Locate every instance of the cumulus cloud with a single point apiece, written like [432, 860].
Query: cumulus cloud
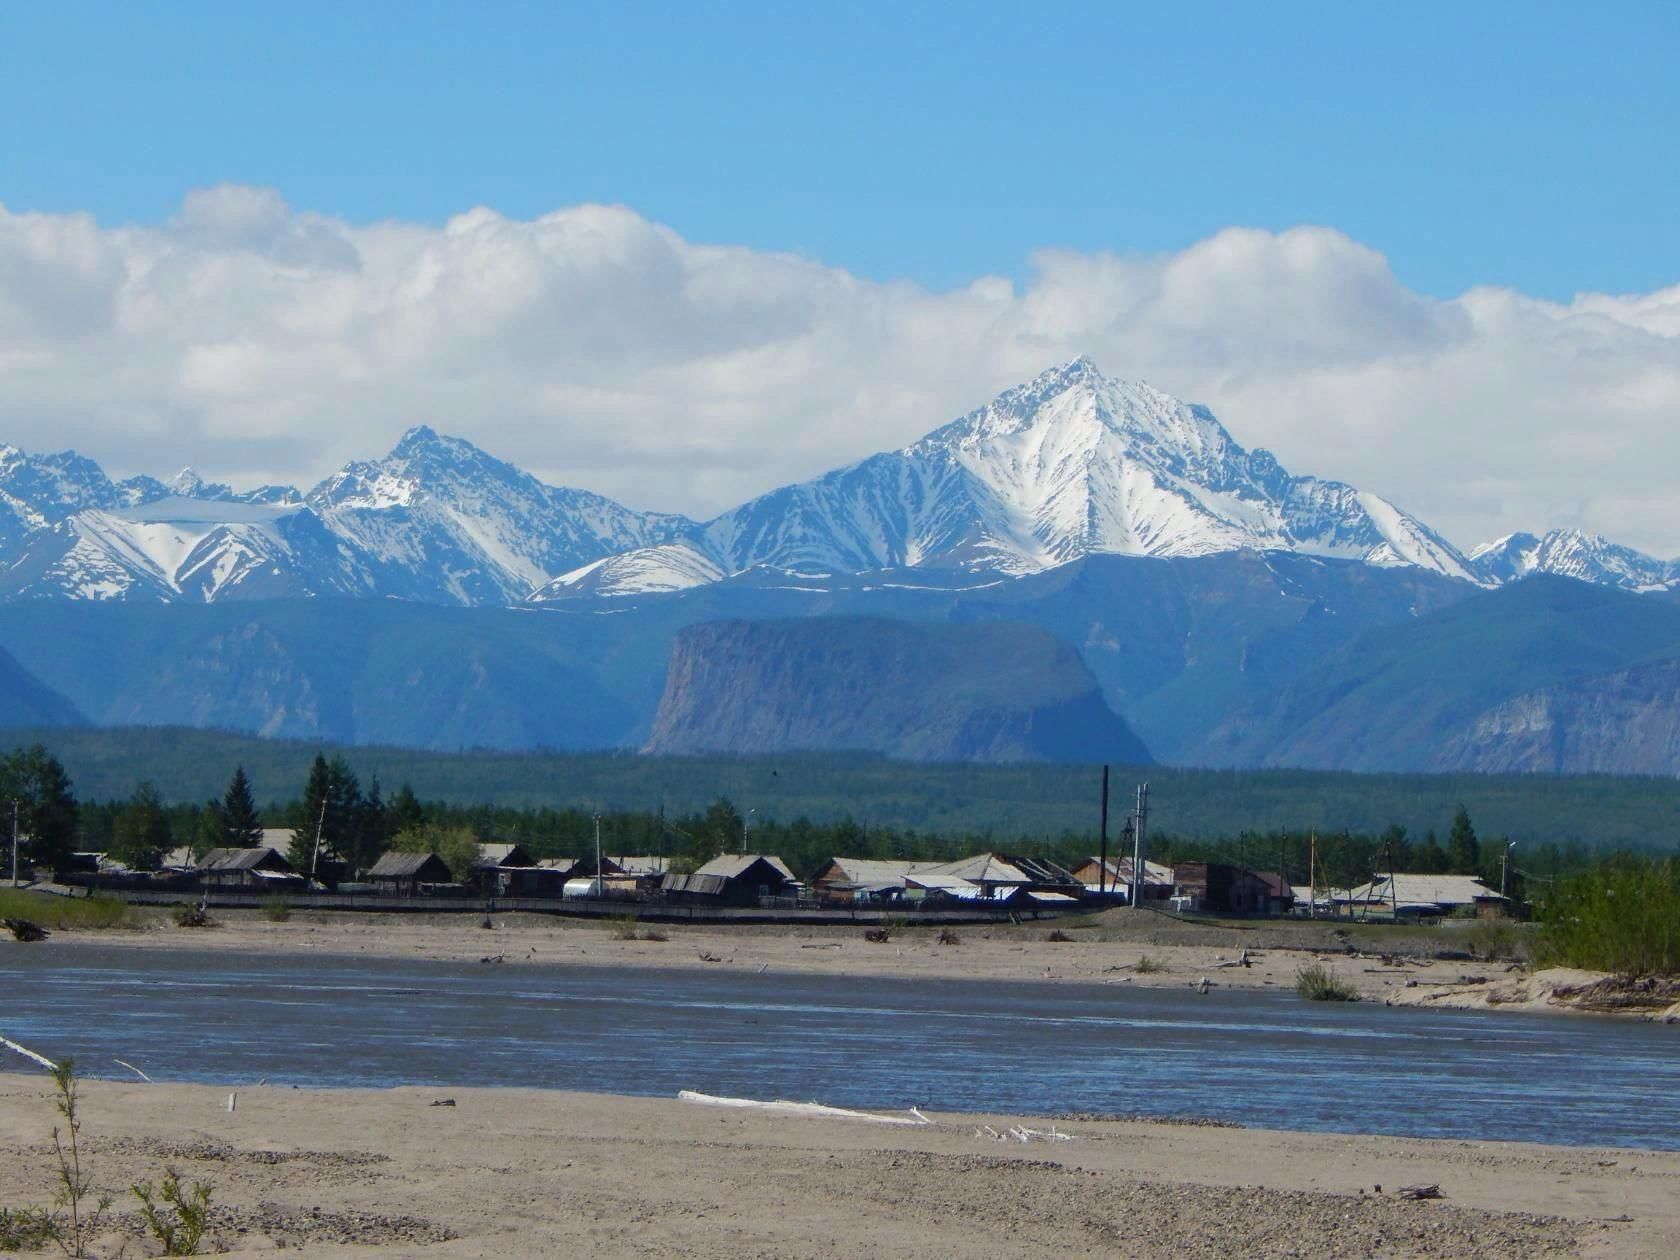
[599, 349]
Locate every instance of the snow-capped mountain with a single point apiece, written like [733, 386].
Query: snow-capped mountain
[1072, 464]
[436, 520]
[439, 520]
[1576, 554]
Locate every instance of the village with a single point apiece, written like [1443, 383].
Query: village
[761, 886]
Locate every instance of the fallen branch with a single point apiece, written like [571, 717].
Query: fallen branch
[1431, 1191]
[812, 1110]
[125, 1063]
[27, 1053]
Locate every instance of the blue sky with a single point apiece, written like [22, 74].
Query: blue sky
[735, 246]
[1529, 145]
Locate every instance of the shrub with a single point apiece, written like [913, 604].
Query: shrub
[948, 937]
[102, 910]
[1491, 939]
[624, 927]
[1058, 936]
[654, 934]
[179, 1223]
[192, 917]
[1147, 965]
[1622, 916]
[275, 910]
[1319, 984]
[24, 1229]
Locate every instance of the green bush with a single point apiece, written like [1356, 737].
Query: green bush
[102, 910]
[1319, 984]
[1622, 916]
[276, 909]
[1147, 965]
[1493, 939]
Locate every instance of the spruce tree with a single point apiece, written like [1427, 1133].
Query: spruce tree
[332, 805]
[404, 813]
[1464, 852]
[241, 828]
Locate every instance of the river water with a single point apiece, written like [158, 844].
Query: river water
[1264, 1059]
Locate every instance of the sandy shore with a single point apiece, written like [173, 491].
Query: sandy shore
[1113, 948]
[532, 1173]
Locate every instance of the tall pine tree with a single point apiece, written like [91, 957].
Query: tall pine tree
[241, 827]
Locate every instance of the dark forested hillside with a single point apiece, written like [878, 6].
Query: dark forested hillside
[999, 802]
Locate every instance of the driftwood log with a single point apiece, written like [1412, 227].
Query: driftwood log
[25, 930]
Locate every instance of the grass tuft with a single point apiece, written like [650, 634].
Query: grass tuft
[102, 910]
[1319, 984]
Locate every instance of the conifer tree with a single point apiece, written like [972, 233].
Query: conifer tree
[240, 826]
[332, 805]
[1464, 851]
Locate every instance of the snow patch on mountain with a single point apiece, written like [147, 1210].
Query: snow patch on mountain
[1576, 554]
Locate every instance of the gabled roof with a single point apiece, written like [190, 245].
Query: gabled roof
[735, 865]
[1276, 885]
[1120, 870]
[1003, 868]
[641, 865]
[395, 865]
[1425, 890]
[501, 855]
[243, 859]
[872, 872]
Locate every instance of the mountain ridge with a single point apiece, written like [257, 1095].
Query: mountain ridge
[1071, 463]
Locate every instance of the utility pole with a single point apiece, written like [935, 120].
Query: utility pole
[598, 885]
[1312, 875]
[746, 822]
[1504, 861]
[1102, 858]
[320, 823]
[14, 842]
[1137, 845]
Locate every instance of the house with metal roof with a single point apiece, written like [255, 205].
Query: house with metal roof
[848, 881]
[1425, 896]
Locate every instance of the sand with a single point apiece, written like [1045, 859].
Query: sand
[1101, 949]
[534, 1173]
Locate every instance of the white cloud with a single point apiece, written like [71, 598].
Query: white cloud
[599, 349]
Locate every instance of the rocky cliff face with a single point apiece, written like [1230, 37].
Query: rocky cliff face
[1627, 722]
[924, 692]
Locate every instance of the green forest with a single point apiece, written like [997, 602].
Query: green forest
[135, 791]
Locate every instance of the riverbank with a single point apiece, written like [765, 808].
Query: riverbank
[1115, 947]
[527, 1172]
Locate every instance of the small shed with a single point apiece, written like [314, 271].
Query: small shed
[492, 858]
[406, 874]
[249, 870]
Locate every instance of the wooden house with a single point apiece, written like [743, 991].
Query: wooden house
[256, 869]
[734, 879]
[407, 874]
[1221, 888]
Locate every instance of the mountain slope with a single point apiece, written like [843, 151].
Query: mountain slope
[996, 692]
[1071, 464]
[1625, 722]
[1394, 698]
[26, 701]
